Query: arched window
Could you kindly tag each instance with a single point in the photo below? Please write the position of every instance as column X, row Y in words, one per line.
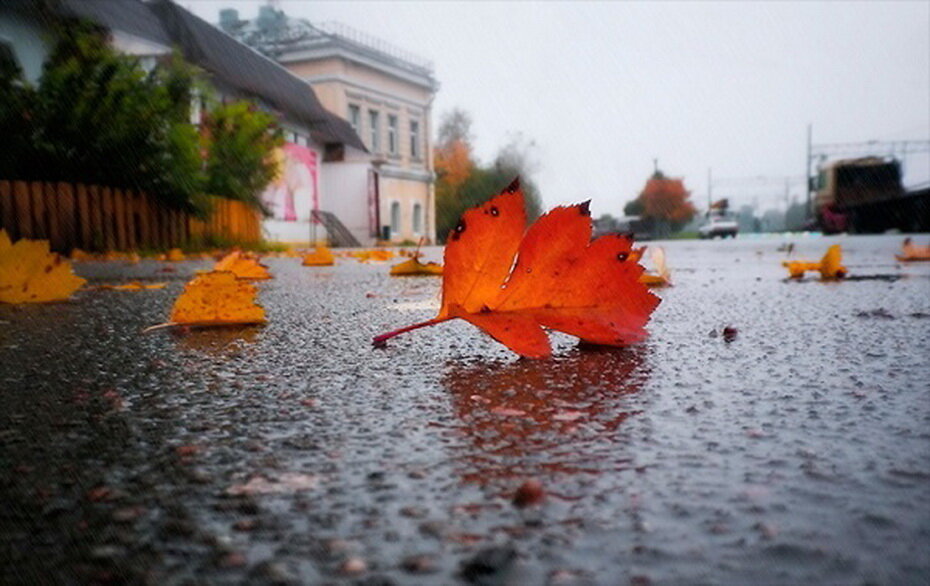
column 417, row 219
column 395, row 219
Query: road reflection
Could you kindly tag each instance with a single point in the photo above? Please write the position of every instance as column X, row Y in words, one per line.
column 541, row 418
column 216, row 341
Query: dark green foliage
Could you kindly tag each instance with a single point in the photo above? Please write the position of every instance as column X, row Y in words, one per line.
column 99, row 117
column 240, row 138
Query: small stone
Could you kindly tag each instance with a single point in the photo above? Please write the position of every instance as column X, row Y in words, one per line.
column 106, row 552
column 729, row 333
column 414, row 512
column 127, row 514
column 273, row 572
column 488, row 562
column 245, row 525
column 419, row 564
column 767, row 531
column 433, row 529
column 530, row 493
column 234, row 559
column 353, row 566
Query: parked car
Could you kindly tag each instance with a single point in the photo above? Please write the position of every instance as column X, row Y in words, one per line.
column 719, row 226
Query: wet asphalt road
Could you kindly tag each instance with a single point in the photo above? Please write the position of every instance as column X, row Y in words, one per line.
column 797, row 452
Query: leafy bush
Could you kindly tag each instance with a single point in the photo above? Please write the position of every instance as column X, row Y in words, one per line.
column 100, row 117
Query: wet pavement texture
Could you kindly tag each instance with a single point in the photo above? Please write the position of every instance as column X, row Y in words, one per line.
column 794, row 449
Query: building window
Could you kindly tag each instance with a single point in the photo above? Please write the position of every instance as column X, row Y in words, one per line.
column 417, row 219
column 355, row 117
column 373, row 128
column 392, row 134
column 414, row 139
column 395, row 219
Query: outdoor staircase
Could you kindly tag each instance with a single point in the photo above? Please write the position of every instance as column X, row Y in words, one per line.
column 339, row 235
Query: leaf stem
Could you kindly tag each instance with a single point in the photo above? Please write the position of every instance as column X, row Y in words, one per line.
column 379, row 341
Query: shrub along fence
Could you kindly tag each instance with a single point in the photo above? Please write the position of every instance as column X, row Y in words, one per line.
column 97, row 218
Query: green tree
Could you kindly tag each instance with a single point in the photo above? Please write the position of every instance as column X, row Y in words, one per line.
column 239, row 139
column 98, row 116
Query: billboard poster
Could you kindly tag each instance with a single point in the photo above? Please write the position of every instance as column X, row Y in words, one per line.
column 294, row 192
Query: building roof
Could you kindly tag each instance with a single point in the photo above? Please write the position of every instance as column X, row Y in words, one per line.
column 229, row 61
column 281, row 37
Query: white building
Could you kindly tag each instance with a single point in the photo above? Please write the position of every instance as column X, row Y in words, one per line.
column 323, row 154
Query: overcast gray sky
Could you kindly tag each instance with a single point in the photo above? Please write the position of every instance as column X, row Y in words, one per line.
column 604, row 87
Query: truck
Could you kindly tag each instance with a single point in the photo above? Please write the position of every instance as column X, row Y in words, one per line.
column 719, row 224
column 866, row 195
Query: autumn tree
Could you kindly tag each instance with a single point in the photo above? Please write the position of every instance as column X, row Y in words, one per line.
column 664, row 202
column 462, row 182
column 517, row 158
column 452, row 156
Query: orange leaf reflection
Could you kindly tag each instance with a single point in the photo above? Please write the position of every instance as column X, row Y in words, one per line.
column 545, row 419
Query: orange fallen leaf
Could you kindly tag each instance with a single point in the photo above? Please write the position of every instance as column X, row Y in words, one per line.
column 243, row 265
column 217, row 298
column 512, row 282
column 31, row 273
column 830, row 266
column 413, row 267
column 321, row 257
column 913, row 252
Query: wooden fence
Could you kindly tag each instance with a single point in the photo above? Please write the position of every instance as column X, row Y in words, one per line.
column 97, row 218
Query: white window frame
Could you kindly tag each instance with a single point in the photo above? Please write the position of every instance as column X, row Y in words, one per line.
column 415, row 139
column 392, row 134
column 417, row 219
column 374, row 123
column 355, row 118
column 395, row 229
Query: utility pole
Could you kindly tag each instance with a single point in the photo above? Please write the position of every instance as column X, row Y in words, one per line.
column 710, row 189
column 807, row 173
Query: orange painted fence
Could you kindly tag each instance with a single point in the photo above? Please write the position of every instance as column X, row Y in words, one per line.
column 96, row 218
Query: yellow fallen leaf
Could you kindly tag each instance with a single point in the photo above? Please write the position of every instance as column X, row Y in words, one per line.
column 413, row 267
column 134, row 286
column 377, row 254
column 830, row 266
column 78, row 255
column 661, row 278
column 243, row 265
column 175, row 255
column 322, row 256
column 217, row 298
column 30, row 273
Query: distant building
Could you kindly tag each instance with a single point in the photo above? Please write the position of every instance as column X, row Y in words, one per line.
column 151, row 30
column 386, row 95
